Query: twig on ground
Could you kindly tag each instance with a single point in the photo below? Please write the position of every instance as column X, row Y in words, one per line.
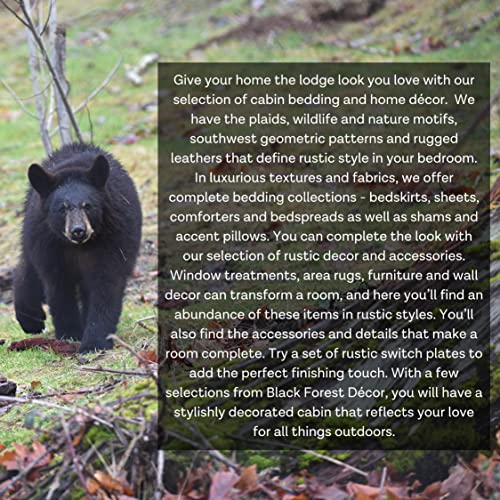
column 136, row 354
column 335, row 461
column 74, row 457
column 188, row 474
column 56, row 482
column 110, row 370
column 382, row 479
column 131, row 446
column 143, row 395
column 159, row 475
column 65, row 409
column 206, row 443
column 141, row 323
column 93, row 390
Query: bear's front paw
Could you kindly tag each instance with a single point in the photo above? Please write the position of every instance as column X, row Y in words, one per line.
column 92, row 345
column 30, row 324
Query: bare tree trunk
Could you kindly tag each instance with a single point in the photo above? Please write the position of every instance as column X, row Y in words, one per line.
column 57, row 83
column 38, row 93
column 47, row 61
column 59, row 66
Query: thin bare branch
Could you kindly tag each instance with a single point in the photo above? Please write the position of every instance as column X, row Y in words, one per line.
column 14, row 13
column 49, row 17
column 101, row 86
column 10, row 90
column 53, row 72
column 91, row 125
column 74, row 458
column 131, row 446
column 94, row 93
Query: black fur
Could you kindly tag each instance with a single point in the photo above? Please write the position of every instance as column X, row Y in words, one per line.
column 80, row 192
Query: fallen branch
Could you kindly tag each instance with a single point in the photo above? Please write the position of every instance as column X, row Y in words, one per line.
column 74, row 458
column 110, row 370
column 326, row 458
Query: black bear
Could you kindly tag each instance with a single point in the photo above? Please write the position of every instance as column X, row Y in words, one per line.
column 80, row 240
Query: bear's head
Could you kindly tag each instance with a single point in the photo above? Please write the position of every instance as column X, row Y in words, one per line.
column 73, row 199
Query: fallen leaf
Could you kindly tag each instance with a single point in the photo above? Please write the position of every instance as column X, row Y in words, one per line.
column 111, row 483
column 64, row 347
column 92, row 486
column 222, row 484
column 432, row 491
column 248, row 479
column 147, row 357
column 220, row 167
column 459, row 484
column 22, row 457
column 330, row 493
column 34, row 384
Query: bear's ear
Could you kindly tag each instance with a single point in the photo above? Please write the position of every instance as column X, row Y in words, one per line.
column 99, row 172
column 41, row 180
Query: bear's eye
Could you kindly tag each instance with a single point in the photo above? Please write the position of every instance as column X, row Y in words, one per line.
column 86, row 205
column 64, row 207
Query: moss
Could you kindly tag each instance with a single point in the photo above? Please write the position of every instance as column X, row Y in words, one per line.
column 263, row 462
column 404, row 461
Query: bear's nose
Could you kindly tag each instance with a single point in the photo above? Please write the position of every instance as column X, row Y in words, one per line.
column 78, row 233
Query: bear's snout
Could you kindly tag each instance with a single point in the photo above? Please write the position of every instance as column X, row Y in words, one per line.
column 78, row 229
column 78, row 234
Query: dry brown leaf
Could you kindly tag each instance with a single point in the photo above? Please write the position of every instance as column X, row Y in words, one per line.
column 248, row 479
column 34, row 384
column 459, row 484
column 365, row 492
column 64, row 347
column 147, row 357
column 222, row 484
column 92, row 486
column 432, row 491
column 111, row 483
column 22, row 457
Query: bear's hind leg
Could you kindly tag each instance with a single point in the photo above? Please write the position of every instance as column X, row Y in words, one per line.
column 28, row 298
